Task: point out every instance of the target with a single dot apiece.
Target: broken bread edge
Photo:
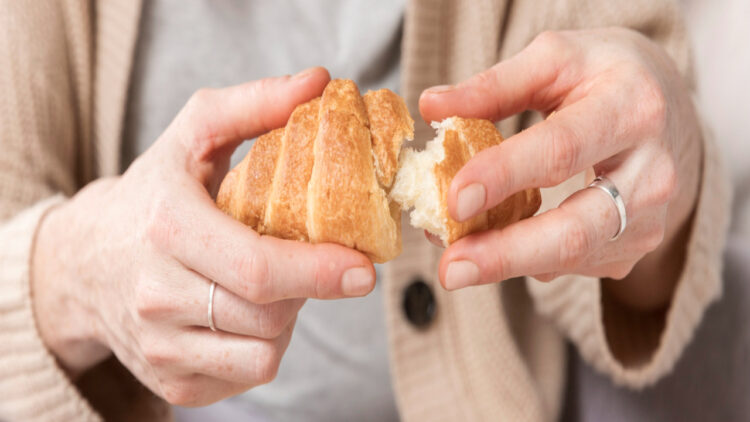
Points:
(424, 178)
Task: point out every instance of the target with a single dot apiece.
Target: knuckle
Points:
(254, 272)
(149, 303)
(485, 79)
(157, 353)
(267, 363)
(199, 100)
(576, 244)
(559, 50)
(563, 157)
(665, 186)
(554, 41)
(545, 278)
(502, 177)
(500, 266)
(654, 238)
(620, 271)
(180, 392)
(201, 139)
(160, 227)
(320, 277)
(653, 101)
(262, 86)
(271, 320)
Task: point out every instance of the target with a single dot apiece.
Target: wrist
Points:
(66, 324)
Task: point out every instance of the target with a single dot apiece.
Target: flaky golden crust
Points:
(325, 185)
(343, 95)
(466, 138)
(244, 192)
(390, 124)
(517, 207)
(456, 155)
(477, 134)
(344, 173)
(286, 212)
(325, 176)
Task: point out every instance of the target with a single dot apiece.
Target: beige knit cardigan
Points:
(494, 352)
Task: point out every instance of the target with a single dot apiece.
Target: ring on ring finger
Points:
(604, 184)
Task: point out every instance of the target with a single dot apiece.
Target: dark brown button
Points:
(419, 303)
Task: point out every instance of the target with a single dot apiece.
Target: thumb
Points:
(529, 80)
(215, 121)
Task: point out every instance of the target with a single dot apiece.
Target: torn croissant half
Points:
(424, 178)
(337, 173)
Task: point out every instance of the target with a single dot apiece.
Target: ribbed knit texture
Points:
(470, 38)
(575, 302)
(32, 386)
(486, 356)
(115, 44)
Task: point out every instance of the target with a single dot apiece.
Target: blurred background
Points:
(720, 33)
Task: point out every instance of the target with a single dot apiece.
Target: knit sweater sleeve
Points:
(634, 349)
(32, 385)
(40, 127)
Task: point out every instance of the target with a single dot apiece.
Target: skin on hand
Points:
(620, 108)
(125, 266)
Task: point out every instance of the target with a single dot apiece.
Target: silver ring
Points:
(211, 306)
(607, 186)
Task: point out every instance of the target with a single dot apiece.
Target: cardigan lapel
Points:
(116, 33)
(465, 366)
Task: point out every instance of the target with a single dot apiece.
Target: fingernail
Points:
(470, 200)
(305, 73)
(461, 274)
(439, 89)
(357, 281)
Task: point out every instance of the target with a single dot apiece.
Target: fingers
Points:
(232, 363)
(238, 316)
(198, 390)
(536, 78)
(235, 315)
(556, 241)
(544, 155)
(257, 269)
(238, 359)
(644, 233)
(216, 121)
(181, 298)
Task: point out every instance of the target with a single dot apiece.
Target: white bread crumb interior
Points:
(416, 186)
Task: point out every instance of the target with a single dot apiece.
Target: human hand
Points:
(621, 107)
(126, 265)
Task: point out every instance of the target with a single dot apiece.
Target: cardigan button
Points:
(419, 303)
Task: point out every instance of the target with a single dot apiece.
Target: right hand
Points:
(126, 265)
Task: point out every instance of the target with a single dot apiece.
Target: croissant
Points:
(424, 178)
(337, 173)
(326, 175)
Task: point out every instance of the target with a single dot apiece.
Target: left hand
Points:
(621, 108)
